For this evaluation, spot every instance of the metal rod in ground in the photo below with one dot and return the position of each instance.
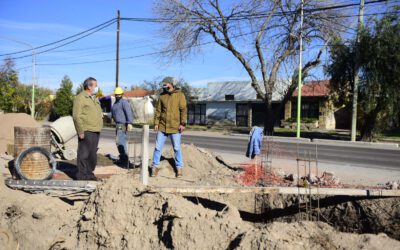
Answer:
(144, 175)
(309, 186)
(316, 166)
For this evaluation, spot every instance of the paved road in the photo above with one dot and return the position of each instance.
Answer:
(339, 154)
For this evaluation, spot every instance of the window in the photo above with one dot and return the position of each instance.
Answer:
(197, 114)
(242, 115)
(309, 109)
(229, 97)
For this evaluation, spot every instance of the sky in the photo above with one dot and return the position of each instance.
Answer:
(26, 23)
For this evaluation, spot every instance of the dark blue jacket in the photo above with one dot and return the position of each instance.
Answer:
(255, 142)
(122, 112)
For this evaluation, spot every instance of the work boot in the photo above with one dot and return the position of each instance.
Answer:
(179, 173)
(154, 171)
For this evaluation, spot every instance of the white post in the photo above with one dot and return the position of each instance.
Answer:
(144, 173)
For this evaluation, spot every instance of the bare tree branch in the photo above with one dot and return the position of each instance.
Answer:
(271, 45)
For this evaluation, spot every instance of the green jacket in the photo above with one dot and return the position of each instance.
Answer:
(87, 113)
(171, 111)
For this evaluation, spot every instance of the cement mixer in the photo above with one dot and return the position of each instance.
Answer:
(62, 131)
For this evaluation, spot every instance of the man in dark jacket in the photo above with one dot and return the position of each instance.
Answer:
(88, 120)
(169, 121)
(122, 114)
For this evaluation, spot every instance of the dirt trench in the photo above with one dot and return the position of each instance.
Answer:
(122, 214)
(345, 213)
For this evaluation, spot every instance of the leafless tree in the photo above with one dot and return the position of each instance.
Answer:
(263, 35)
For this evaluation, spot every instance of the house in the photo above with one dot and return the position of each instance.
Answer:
(231, 103)
(236, 103)
(316, 108)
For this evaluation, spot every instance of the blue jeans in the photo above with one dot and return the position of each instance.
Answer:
(176, 144)
(122, 147)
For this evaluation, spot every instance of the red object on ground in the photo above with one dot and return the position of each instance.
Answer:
(255, 173)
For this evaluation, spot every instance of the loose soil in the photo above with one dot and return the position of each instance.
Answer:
(123, 214)
(200, 167)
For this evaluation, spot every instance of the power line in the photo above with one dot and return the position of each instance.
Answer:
(255, 15)
(242, 17)
(64, 39)
(62, 45)
(145, 54)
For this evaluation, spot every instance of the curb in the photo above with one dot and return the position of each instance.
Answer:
(358, 143)
(289, 139)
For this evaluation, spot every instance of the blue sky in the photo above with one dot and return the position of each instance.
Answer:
(45, 21)
(41, 22)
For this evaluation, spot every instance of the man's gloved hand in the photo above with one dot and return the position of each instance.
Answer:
(129, 127)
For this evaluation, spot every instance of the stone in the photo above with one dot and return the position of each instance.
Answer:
(37, 215)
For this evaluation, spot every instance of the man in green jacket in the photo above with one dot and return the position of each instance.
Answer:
(169, 121)
(88, 120)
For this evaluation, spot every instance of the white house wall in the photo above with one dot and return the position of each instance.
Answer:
(221, 110)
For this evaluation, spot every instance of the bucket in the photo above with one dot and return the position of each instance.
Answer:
(34, 166)
(63, 129)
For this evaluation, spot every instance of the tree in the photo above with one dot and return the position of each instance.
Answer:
(152, 85)
(379, 96)
(155, 85)
(64, 98)
(186, 89)
(261, 35)
(99, 93)
(79, 89)
(23, 100)
(8, 83)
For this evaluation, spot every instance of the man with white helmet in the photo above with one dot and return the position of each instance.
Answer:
(122, 114)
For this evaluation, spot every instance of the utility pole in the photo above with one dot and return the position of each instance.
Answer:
(356, 78)
(117, 59)
(33, 82)
(300, 69)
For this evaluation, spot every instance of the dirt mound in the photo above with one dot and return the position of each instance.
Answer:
(8, 122)
(34, 221)
(200, 167)
(123, 215)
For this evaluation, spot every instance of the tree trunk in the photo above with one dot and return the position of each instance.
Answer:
(269, 119)
(367, 129)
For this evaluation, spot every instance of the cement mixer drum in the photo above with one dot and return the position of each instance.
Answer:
(63, 129)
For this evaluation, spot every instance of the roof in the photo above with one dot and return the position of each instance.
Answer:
(314, 89)
(242, 91)
(137, 93)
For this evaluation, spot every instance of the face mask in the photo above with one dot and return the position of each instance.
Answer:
(96, 89)
(118, 98)
(165, 88)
